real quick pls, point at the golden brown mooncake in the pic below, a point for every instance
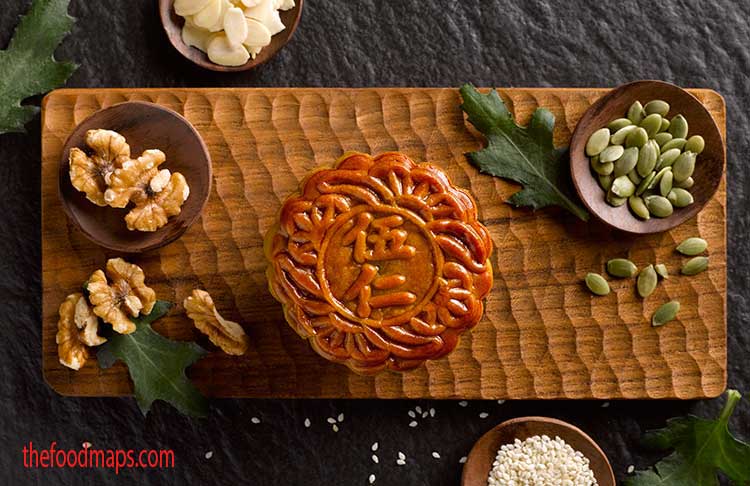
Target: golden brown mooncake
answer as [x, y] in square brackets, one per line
[380, 263]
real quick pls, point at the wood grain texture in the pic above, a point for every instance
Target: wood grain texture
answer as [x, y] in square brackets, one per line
[543, 334]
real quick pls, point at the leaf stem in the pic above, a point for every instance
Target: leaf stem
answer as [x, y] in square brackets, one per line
[733, 398]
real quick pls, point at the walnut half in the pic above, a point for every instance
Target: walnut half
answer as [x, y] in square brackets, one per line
[77, 329]
[91, 174]
[227, 335]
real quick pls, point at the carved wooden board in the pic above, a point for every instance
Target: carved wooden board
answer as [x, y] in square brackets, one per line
[543, 335]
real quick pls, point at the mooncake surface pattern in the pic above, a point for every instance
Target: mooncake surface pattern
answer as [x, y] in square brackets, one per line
[380, 262]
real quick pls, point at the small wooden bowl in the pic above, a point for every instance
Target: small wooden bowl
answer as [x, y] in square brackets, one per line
[144, 126]
[479, 464]
[708, 169]
[173, 27]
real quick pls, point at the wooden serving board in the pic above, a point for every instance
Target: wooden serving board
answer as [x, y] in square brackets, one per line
[543, 335]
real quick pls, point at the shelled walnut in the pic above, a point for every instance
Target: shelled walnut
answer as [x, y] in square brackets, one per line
[77, 329]
[124, 295]
[91, 174]
[227, 335]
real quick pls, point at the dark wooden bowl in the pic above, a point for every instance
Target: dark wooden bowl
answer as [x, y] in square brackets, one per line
[708, 170]
[145, 126]
[173, 27]
[479, 464]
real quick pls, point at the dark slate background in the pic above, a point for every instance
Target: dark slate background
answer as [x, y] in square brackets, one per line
[362, 43]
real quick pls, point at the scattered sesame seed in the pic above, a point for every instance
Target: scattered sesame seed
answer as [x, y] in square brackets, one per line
[331, 420]
[605, 404]
[374, 446]
[432, 412]
[463, 403]
[307, 423]
[500, 402]
[401, 456]
[340, 417]
[372, 478]
[413, 423]
[418, 409]
[375, 459]
[631, 468]
[209, 454]
[335, 428]
[462, 460]
[483, 415]
[435, 455]
[412, 414]
[425, 414]
[400, 462]
[255, 420]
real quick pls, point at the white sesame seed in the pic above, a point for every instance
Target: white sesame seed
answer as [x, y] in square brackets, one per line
[331, 420]
[605, 404]
[483, 415]
[631, 468]
[209, 454]
[418, 409]
[411, 414]
[335, 428]
[413, 423]
[255, 420]
[374, 446]
[463, 403]
[340, 417]
[462, 460]
[307, 423]
[86, 445]
[432, 412]
[425, 414]
[375, 459]
[435, 455]
[371, 478]
[401, 456]
[500, 402]
[400, 462]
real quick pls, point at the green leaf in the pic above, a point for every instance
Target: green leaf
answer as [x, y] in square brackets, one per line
[701, 448]
[28, 66]
[523, 154]
[156, 364]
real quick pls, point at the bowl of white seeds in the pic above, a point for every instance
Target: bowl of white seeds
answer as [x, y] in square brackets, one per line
[537, 450]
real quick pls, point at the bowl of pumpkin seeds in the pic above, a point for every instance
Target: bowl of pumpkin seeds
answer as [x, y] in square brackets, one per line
[646, 157]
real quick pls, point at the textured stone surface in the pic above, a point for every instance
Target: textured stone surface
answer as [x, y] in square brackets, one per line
[362, 43]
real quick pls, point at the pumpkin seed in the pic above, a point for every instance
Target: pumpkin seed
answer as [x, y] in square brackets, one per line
[647, 281]
[620, 135]
[660, 107]
[692, 246]
[602, 169]
[661, 270]
[639, 207]
[684, 166]
[664, 125]
[651, 124]
[611, 153]
[643, 186]
[615, 200]
[596, 284]
[662, 138]
[622, 186]
[695, 265]
[686, 184]
[598, 141]
[637, 138]
[695, 144]
[659, 206]
[646, 159]
[615, 125]
[605, 181]
[621, 267]
[657, 179]
[667, 312]
[678, 127]
[665, 184]
[633, 176]
[635, 113]
[627, 162]
[667, 158]
[677, 143]
[680, 198]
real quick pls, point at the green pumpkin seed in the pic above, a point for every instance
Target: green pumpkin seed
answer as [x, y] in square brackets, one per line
[651, 124]
[596, 284]
[660, 107]
[684, 166]
[657, 179]
[695, 144]
[647, 280]
[662, 138]
[680, 198]
[643, 186]
[686, 184]
[637, 138]
[692, 246]
[602, 169]
[622, 186]
[667, 158]
[659, 206]
[667, 312]
[639, 207]
[646, 159]
[695, 265]
[605, 181]
[615, 200]
[664, 125]
[665, 185]
[633, 176]
[675, 143]
[627, 162]
[615, 125]
[620, 135]
[678, 127]
[598, 141]
[661, 270]
[611, 153]
[635, 113]
[621, 267]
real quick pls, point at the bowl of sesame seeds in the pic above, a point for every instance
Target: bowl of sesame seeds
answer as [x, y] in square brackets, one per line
[537, 450]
